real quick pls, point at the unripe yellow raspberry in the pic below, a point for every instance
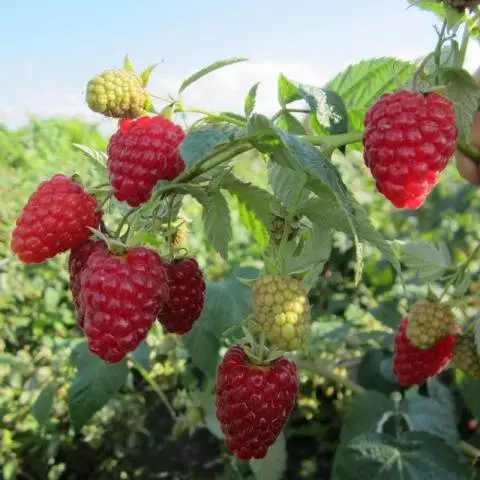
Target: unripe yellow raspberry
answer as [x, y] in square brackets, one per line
[117, 93]
[428, 322]
[282, 310]
[465, 355]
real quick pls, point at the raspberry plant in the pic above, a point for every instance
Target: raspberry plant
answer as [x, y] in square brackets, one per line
[254, 337]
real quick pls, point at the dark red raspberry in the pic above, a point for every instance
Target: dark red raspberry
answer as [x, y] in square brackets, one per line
[55, 219]
[187, 292]
[76, 263]
[409, 138]
[142, 152]
[412, 365]
[121, 295]
[253, 402]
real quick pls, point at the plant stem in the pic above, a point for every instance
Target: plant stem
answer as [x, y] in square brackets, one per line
[221, 155]
[469, 450]
[466, 448]
[289, 110]
[169, 226]
[155, 387]
[216, 116]
[460, 271]
[464, 44]
[438, 50]
[334, 141]
[469, 150]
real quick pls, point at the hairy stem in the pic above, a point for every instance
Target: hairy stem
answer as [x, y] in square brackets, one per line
[334, 141]
[155, 387]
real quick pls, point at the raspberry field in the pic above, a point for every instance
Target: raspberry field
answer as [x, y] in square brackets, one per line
[232, 295]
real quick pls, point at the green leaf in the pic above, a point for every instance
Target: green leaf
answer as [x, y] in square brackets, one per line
[147, 73]
[290, 123]
[426, 414]
[287, 91]
[328, 107]
[375, 371]
[331, 113]
[207, 400]
[217, 223]
[313, 256]
[415, 456]
[470, 391]
[98, 158]
[427, 260]
[94, 384]
[208, 69]
[462, 89]
[387, 313]
[364, 414]
[257, 199]
[142, 355]
[273, 465]
[287, 185]
[202, 141]
[325, 211]
[250, 100]
[255, 226]
[127, 64]
[226, 304]
[362, 83]
[10, 469]
[42, 408]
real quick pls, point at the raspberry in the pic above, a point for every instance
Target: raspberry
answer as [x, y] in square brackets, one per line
[142, 152]
[76, 263]
[412, 365]
[55, 219]
[465, 355]
[282, 309]
[428, 322]
[409, 138]
[117, 93]
[253, 402]
[121, 295]
[461, 5]
[187, 291]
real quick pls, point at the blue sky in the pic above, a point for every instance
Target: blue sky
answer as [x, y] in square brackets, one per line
[49, 49]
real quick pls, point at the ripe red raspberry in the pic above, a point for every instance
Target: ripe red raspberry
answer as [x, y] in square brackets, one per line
[409, 138]
[187, 292]
[76, 263]
[142, 152]
[55, 219]
[121, 295]
[412, 365]
[253, 402]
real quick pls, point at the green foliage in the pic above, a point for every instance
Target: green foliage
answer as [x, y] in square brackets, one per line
[93, 386]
